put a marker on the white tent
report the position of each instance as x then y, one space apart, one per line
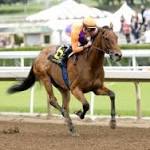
67 10
124 11
60 11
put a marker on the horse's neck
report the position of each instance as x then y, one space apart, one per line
96 58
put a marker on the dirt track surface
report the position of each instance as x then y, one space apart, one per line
36 134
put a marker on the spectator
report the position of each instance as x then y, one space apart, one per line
142 12
127 31
136 27
122 19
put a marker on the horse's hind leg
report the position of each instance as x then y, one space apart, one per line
48 86
65 106
111 94
80 96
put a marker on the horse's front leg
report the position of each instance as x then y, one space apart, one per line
80 96
111 94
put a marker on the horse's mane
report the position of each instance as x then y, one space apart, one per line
101 30
106 27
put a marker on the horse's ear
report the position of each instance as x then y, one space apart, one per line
102 30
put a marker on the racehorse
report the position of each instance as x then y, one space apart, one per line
85 74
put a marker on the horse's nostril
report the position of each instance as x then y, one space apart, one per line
118 55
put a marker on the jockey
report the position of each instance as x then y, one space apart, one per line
81 34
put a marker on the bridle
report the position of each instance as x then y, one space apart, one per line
107 51
102 50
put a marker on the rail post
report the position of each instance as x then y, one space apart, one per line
138 100
92 104
32 100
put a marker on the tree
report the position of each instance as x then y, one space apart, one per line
1 1
106 2
78 1
12 1
130 2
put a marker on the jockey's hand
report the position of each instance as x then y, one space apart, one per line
88 44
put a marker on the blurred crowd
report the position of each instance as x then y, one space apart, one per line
4 40
138 28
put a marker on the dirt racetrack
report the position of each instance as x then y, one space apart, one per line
45 135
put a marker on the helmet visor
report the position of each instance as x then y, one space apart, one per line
91 29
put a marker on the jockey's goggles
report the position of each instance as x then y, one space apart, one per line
91 29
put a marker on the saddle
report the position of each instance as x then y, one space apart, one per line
60 57
62 54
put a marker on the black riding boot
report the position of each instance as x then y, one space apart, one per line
63 65
64 59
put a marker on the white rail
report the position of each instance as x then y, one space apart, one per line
33 54
133 73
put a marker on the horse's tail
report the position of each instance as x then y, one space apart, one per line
27 83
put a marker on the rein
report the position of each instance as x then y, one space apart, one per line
101 50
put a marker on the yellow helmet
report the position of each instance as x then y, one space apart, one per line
89 22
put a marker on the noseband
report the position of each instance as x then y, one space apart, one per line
107 51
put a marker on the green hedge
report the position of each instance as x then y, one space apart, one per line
19 8
36 48
135 46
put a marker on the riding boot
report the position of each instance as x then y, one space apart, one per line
63 65
64 59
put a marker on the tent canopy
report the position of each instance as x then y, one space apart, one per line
66 10
124 11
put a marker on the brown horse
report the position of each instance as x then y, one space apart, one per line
84 76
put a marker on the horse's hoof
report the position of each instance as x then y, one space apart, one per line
113 124
63 112
81 116
78 113
74 134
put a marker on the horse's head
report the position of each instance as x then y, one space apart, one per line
107 41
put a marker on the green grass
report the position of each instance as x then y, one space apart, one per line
125 100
